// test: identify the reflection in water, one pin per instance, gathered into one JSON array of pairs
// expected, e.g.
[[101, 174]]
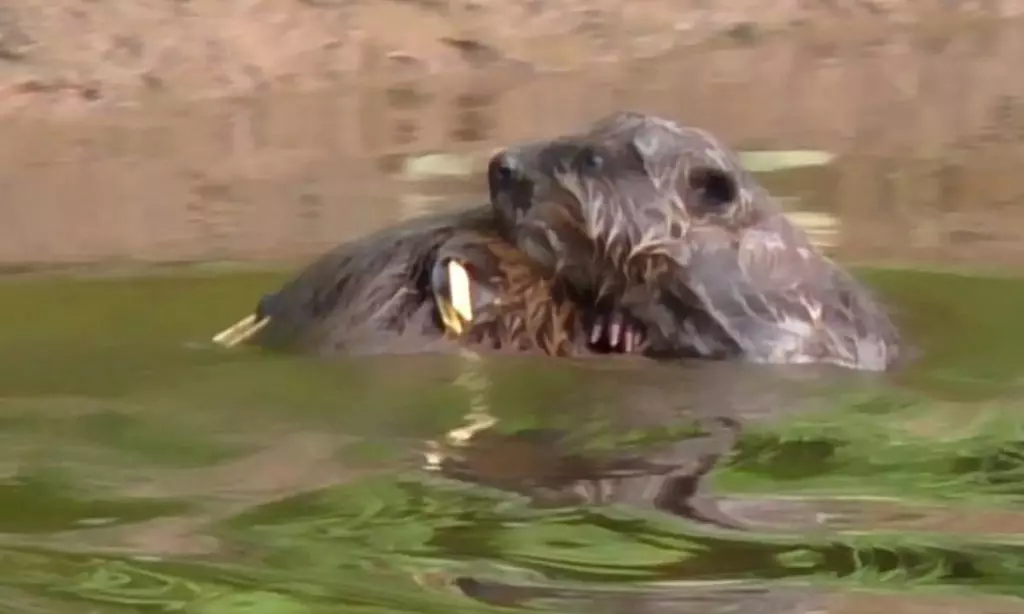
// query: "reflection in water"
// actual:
[[679, 598], [677, 423], [542, 465], [660, 460]]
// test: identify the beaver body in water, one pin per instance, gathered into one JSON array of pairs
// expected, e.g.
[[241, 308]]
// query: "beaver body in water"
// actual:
[[391, 292], [633, 230], [661, 228]]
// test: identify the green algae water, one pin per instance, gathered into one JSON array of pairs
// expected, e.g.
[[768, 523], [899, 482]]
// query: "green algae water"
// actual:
[[145, 470]]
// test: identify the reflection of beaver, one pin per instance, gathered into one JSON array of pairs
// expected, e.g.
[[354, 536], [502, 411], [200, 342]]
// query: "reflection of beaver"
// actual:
[[542, 464], [392, 291], [663, 229]]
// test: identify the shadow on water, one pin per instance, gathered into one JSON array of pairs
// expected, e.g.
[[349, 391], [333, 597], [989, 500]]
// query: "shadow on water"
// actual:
[[145, 470]]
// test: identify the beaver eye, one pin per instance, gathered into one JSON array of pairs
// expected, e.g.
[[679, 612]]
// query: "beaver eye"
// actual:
[[588, 160], [712, 188]]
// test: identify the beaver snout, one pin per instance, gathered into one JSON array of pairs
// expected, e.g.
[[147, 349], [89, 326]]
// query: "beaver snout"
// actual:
[[269, 306], [503, 170], [510, 188]]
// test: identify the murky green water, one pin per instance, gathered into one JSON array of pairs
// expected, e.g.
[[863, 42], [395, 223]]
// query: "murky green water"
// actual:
[[144, 470]]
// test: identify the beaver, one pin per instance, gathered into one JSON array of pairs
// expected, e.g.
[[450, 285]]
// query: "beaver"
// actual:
[[392, 291], [514, 307], [661, 228]]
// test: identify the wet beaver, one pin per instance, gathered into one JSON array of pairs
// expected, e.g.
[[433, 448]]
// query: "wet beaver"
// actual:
[[513, 305], [661, 228], [393, 292]]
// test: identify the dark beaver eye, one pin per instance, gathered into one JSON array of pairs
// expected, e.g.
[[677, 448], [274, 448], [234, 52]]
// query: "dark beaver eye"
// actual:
[[588, 160], [713, 188]]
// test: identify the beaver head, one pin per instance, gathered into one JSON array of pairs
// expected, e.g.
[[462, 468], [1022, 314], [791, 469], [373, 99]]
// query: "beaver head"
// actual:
[[631, 193], [664, 222]]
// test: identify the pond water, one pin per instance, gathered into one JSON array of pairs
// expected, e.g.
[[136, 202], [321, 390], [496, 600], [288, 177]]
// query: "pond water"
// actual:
[[145, 470]]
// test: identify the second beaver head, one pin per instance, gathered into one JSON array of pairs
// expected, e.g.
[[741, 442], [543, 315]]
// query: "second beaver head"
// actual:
[[397, 290], [488, 293], [662, 222]]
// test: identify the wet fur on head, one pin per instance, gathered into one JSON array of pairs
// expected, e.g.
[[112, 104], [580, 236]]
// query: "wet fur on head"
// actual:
[[663, 222], [533, 313], [621, 199]]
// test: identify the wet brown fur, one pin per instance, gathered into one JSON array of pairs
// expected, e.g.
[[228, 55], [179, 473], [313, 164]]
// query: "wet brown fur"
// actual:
[[642, 216], [374, 295], [534, 313]]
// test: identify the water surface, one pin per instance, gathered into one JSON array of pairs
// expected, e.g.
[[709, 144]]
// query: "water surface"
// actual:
[[145, 470]]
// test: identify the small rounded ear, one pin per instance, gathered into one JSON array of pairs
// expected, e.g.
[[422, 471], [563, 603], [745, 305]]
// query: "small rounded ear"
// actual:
[[710, 189]]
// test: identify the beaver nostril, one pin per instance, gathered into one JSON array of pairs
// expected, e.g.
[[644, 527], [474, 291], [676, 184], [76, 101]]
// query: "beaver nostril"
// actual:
[[503, 170], [268, 306]]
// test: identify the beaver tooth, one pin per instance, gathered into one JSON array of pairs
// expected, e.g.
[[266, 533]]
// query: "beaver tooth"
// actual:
[[596, 332], [615, 330]]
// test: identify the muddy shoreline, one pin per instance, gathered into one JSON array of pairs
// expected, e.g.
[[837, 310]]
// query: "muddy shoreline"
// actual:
[[69, 57]]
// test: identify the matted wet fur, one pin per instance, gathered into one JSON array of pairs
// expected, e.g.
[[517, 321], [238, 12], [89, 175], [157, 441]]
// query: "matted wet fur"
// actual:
[[529, 312], [662, 228], [375, 295]]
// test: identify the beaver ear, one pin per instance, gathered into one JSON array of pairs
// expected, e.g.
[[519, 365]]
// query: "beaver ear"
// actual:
[[709, 189]]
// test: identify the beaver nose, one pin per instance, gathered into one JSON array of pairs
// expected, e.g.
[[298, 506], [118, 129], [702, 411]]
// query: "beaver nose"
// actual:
[[503, 170], [269, 306]]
